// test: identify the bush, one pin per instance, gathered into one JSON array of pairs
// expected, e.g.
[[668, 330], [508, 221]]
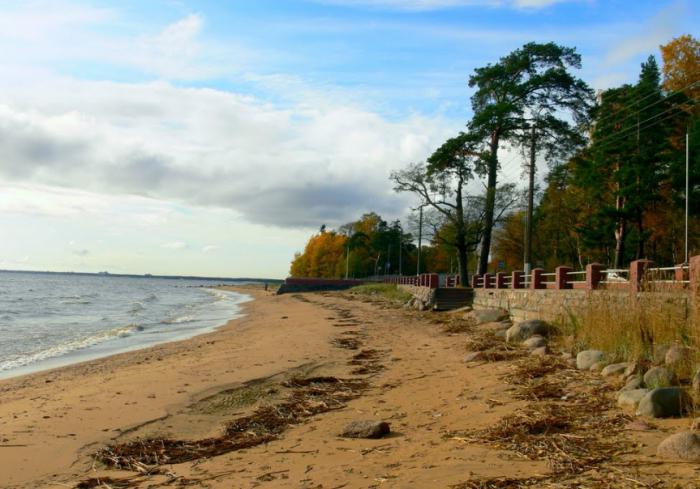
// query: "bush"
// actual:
[[387, 291]]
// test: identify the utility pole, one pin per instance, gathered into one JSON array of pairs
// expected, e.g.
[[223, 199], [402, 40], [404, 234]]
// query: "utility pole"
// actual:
[[420, 238], [687, 188]]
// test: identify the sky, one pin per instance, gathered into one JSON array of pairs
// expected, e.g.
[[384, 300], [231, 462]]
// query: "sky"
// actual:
[[213, 138]]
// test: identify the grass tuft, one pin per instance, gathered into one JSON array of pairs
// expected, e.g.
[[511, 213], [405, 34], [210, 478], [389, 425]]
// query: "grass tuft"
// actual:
[[386, 291]]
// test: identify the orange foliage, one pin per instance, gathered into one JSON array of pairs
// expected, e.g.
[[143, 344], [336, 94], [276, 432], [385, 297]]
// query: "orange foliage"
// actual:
[[323, 257]]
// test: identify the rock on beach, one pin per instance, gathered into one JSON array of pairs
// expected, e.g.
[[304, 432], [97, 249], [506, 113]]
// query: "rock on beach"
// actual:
[[587, 358], [681, 446], [366, 429], [525, 329], [664, 402]]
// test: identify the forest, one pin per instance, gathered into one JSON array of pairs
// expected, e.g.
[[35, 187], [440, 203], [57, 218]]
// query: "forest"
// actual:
[[605, 176]]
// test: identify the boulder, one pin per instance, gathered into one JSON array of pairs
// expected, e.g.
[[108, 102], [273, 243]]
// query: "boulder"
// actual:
[[683, 446], [630, 399], [482, 316], [540, 352], [677, 355], [664, 402], [633, 382], [526, 329], [614, 369], [366, 429], [586, 359], [536, 341], [659, 377]]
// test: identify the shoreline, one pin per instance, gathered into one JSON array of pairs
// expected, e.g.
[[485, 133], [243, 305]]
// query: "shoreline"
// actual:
[[412, 363], [93, 353]]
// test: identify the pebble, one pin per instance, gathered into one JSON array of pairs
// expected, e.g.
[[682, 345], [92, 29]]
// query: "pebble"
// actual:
[[587, 358], [614, 369]]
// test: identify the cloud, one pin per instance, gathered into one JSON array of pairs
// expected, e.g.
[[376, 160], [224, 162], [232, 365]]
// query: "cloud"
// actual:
[[210, 248], [174, 245], [647, 38], [83, 252], [314, 161]]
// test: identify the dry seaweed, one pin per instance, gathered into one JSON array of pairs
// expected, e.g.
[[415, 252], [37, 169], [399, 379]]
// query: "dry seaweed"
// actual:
[[310, 397], [347, 343]]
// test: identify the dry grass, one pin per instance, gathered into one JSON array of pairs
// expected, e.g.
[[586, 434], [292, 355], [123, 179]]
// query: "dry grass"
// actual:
[[633, 328]]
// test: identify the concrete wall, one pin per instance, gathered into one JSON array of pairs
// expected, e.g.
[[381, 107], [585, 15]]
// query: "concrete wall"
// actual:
[[552, 305]]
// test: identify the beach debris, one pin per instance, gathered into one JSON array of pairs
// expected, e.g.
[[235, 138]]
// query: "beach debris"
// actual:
[[347, 343], [105, 483], [680, 446], [366, 429], [309, 397], [525, 329], [664, 402], [587, 358], [659, 377], [473, 356]]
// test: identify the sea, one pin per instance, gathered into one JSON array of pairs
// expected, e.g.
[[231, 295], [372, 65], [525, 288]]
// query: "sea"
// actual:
[[53, 320]]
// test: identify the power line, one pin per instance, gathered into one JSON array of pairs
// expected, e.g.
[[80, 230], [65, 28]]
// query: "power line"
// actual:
[[613, 137], [627, 106]]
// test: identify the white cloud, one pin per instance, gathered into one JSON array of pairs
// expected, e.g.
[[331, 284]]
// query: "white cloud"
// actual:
[[174, 245], [210, 248], [316, 161], [82, 252]]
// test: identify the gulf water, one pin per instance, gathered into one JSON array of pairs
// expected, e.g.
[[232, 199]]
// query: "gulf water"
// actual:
[[52, 320]]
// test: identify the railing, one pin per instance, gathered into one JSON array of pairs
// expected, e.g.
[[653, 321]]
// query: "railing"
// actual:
[[640, 276]]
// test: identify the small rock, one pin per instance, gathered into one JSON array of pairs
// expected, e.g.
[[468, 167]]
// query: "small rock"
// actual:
[[677, 355], [632, 369], [474, 356], [526, 329], [540, 352], [534, 342], [597, 367], [634, 382], [366, 429], [614, 369], [664, 402], [659, 377], [586, 358], [482, 316], [681, 446], [630, 398]]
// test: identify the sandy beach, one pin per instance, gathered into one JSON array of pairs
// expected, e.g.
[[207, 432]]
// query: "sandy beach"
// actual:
[[52, 423]]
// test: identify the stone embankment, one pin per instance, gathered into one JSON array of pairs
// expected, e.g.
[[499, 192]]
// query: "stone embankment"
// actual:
[[656, 389]]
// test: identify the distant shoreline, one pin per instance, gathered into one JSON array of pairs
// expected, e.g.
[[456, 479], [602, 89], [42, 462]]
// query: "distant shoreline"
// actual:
[[146, 275]]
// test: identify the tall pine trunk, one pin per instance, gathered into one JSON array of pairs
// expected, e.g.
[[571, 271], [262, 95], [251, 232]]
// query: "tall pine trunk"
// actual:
[[530, 204], [490, 205]]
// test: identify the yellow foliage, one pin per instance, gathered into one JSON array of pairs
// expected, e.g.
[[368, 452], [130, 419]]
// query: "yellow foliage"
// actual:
[[682, 65], [323, 257]]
